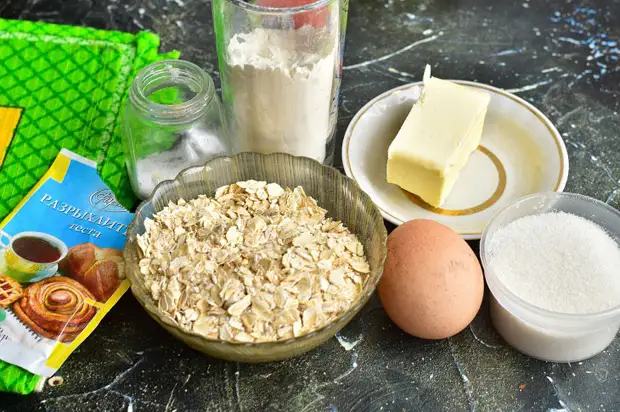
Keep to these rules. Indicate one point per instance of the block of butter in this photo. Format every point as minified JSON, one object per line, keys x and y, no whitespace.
{"x":442,"y":130}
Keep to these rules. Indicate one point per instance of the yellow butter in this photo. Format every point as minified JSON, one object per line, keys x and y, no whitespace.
{"x":434,"y":143}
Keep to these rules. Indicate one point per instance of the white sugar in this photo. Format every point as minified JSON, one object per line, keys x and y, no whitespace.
{"x":558,"y":261}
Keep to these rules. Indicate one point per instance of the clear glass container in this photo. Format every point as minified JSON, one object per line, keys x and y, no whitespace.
{"x":540,"y":333}
{"x":280,"y":64}
{"x":173,"y":119}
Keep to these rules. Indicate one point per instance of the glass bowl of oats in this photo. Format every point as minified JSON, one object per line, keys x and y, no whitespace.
{"x":255,"y":258}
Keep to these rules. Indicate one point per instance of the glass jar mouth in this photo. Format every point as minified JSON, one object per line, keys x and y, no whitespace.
{"x":281,"y":10}
{"x":516,"y":305}
{"x":171,"y":73}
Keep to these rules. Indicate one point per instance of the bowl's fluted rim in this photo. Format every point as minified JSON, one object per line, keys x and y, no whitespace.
{"x":362,"y":300}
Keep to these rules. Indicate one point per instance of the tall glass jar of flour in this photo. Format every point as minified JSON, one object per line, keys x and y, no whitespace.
{"x":280,"y":64}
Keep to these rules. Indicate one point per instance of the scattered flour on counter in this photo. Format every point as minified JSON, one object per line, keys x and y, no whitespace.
{"x":558,"y":261}
{"x":282,"y":90}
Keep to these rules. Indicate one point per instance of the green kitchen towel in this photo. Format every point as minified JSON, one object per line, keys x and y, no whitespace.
{"x":66,"y":86}
{"x":18,"y":380}
{"x":63,"y":87}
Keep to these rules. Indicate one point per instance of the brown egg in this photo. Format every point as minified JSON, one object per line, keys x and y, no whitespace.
{"x":432,"y":284}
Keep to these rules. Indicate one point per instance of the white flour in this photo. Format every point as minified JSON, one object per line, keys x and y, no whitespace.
{"x":193,"y":148}
{"x":559,"y":262}
{"x":281,"y":85}
{"x":154,"y":169}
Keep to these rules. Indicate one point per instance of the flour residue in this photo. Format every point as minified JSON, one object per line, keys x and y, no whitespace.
{"x":346,"y":343}
{"x":350,"y":370}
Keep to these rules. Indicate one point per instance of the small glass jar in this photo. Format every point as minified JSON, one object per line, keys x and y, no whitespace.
{"x":172,"y":120}
{"x":280,"y":65}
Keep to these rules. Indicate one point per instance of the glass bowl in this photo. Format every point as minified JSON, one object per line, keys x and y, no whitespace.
{"x":337,"y":193}
{"x":537,"y":332}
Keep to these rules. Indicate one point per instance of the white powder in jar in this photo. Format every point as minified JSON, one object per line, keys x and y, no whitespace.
{"x":193,"y":147}
{"x":558,"y":261}
{"x":562,"y":263}
{"x":282,"y":89}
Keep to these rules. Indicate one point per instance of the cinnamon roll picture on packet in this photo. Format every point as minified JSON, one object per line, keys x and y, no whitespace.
{"x":61,"y":265}
{"x":56,"y":308}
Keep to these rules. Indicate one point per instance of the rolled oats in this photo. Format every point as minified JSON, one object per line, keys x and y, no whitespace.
{"x":254,"y":263}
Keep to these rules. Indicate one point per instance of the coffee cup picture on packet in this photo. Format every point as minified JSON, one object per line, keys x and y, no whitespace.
{"x":61,"y":265}
{"x":31,"y":255}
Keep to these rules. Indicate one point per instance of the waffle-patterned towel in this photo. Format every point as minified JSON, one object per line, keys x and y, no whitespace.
{"x":18,"y":380}
{"x":63,"y":87}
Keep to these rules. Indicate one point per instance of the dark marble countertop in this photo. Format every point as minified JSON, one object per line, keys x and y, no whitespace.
{"x":562,"y":56}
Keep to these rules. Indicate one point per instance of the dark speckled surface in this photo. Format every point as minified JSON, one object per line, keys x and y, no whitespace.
{"x":562,"y":56}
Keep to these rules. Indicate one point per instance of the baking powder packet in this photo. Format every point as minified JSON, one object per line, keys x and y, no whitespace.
{"x":61,"y":265}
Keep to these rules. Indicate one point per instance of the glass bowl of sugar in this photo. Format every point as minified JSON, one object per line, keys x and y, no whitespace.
{"x":551,"y":263}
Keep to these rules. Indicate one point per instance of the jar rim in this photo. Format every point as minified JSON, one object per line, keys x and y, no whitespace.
{"x":281,"y":10}
{"x":186,"y":111}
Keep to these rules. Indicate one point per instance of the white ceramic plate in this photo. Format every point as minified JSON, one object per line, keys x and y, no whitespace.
{"x":521,"y":153}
